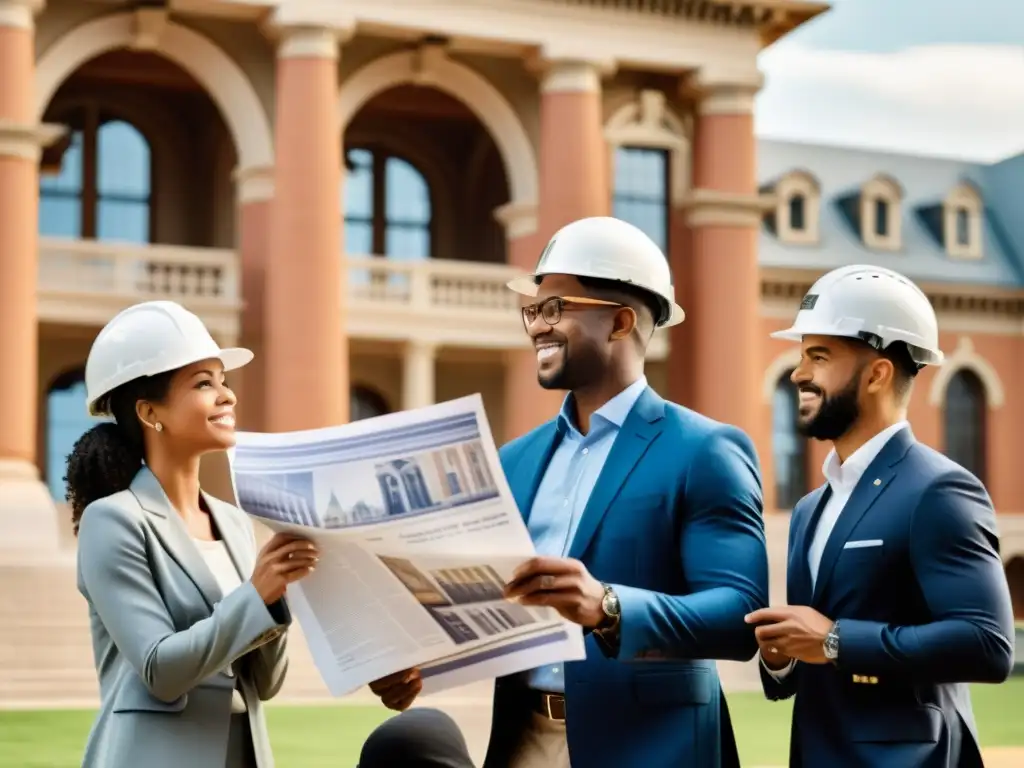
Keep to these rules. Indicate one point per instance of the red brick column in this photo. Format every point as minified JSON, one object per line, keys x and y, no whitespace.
{"x":573,"y":185}
{"x":306,"y":346}
{"x":27,"y":520}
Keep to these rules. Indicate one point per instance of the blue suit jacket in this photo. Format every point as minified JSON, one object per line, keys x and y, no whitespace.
{"x":675,"y":524}
{"x":920,"y":616}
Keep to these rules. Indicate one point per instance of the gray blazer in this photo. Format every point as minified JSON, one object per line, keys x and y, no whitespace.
{"x":169,"y":648}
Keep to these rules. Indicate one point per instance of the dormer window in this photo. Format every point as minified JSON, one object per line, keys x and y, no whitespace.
{"x":880,"y":201}
{"x":962,"y":223}
{"x":797,"y":209}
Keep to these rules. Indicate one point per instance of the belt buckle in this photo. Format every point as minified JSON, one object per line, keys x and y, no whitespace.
{"x":549,"y":711}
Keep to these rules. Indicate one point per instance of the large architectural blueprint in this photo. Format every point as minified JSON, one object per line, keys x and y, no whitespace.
{"x":418,"y":533}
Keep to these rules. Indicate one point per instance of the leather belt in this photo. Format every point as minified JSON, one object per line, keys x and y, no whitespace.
{"x":550,"y":705}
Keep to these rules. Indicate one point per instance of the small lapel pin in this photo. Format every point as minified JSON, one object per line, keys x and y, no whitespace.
{"x":877,"y":481}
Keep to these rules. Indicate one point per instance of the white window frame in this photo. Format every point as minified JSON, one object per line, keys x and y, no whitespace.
{"x":882,"y":187}
{"x":963,"y":196}
{"x":789,"y":186}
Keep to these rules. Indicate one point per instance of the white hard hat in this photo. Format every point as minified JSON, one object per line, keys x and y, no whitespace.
{"x":873,"y":304}
{"x":147,"y":339}
{"x":610,"y":249}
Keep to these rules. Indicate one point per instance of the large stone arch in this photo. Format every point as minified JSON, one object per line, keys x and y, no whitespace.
{"x":461,"y":82}
{"x":965,"y":356}
{"x":224,"y":81}
{"x":784,"y":361}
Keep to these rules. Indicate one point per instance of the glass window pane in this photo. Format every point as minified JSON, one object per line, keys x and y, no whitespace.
{"x":67,"y":420}
{"x":123,"y":161}
{"x":965,"y":422}
{"x":641,"y":194}
{"x":122,"y":220}
{"x":789,"y":447}
{"x":408,"y":197}
{"x":358,"y":190}
{"x":69,"y":180}
{"x":881,"y":218}
{"x":358,"y":238}
{"x":796,"y":213}
{"x":60,"y":216}
{"x":407,"y":243}
{"x":963,"y":233}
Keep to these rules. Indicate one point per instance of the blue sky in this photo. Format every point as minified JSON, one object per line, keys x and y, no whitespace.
{"x":935,"y":77}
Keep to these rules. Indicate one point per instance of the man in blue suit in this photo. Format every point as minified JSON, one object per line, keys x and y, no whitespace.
{"x":898,"y":598}
{"x":647,"y":519}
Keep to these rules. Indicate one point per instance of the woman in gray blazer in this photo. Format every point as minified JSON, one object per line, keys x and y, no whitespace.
{"x":188,"y":620}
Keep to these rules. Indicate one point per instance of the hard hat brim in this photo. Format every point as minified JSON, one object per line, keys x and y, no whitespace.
{"x":527,"y":286}
{"x":231,"y":358}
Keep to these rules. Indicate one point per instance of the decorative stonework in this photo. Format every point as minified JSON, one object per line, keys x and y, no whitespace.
{"x":647,"y":121}
{"x":713,"y":208}
{"x":518,"y":219}
{"x":25,"y":140}
{"x":20,"y":14}
{"x":887,"y":190}
{"x":225,"y":82}
{"x":965,"y":357}
{"x":464,"y":84}
{"x":149,"y":27}
{"x":798,"y":184}
{"x":963,"y":200}
{"x":254,"y":185}
{"x":960,"y":308}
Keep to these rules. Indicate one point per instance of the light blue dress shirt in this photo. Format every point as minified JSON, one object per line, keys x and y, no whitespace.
{"x":566,"y":487}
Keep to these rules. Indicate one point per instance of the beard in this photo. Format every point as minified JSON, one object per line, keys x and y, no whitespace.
{"x":576,"y":369}
{"x":836,"y":414}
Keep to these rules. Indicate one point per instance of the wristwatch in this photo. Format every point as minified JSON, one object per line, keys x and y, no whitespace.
{"x":611,"y":608}
{"x":830,"y":645}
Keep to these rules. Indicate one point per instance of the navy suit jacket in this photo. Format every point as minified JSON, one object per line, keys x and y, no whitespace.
{"x":675,"y":524}
{"x":920,"y":616}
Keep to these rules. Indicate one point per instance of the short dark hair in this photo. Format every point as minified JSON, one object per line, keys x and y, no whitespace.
{"x":904,"y":368}
{"x":625,"y":293}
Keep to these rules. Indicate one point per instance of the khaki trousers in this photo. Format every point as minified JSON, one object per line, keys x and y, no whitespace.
{"x":543,"y":746}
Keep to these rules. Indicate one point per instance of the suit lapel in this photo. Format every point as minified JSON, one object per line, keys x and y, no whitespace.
{"x":800,"y":570}
{"x":530,"y":469}
{"x":642,"y":426}
{"x":872,"y":485}
{"x":235,"y":540}
{"x":171,"y":531}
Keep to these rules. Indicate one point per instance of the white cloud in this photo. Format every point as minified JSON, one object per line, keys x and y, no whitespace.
{"x":960,"y":100}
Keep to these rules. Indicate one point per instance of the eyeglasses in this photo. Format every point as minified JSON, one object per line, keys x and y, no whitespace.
{"x":550,"y":310}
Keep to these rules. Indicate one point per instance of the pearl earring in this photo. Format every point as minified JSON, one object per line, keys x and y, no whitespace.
{"x":159,"y":427}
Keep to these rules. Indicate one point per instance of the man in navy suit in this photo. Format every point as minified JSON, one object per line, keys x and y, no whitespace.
{"x":647,"y":519}
{"x":897,"y":594}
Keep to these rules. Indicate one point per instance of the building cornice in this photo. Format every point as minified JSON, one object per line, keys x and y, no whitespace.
{"x":783,"y":288}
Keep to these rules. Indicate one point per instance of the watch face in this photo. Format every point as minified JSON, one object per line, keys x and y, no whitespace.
{"x":610,"y":604}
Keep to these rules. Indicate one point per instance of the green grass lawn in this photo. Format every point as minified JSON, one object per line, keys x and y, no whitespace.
{"x":330,"y":736}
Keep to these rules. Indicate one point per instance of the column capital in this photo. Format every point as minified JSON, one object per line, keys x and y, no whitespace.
{"x":518,"y":219}
{"x":27,"y":140}
{"x":564,"y":73}
{"x":254,"y":184}
{"x":308,"y":31}
{"x":723,"y":93}
{"x":20,"y":14}
{"x":714,"y":208}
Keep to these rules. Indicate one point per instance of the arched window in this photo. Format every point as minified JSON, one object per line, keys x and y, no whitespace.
{"x":789,"y":447}
{"x":642,"y":191}
{"x":365,"y":403}
{"x":965,"y":421}
{"x":66,"y":421}
{"x":388,"y":210}
{"x":105,"y":182}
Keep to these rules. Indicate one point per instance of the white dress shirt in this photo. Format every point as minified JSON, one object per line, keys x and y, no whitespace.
{"x":842,"y":478}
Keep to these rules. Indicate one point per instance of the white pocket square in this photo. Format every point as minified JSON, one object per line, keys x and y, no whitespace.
{"x":862,"y":544}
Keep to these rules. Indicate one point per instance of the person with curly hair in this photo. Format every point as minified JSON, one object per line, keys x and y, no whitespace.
{"x":188,"y":621}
